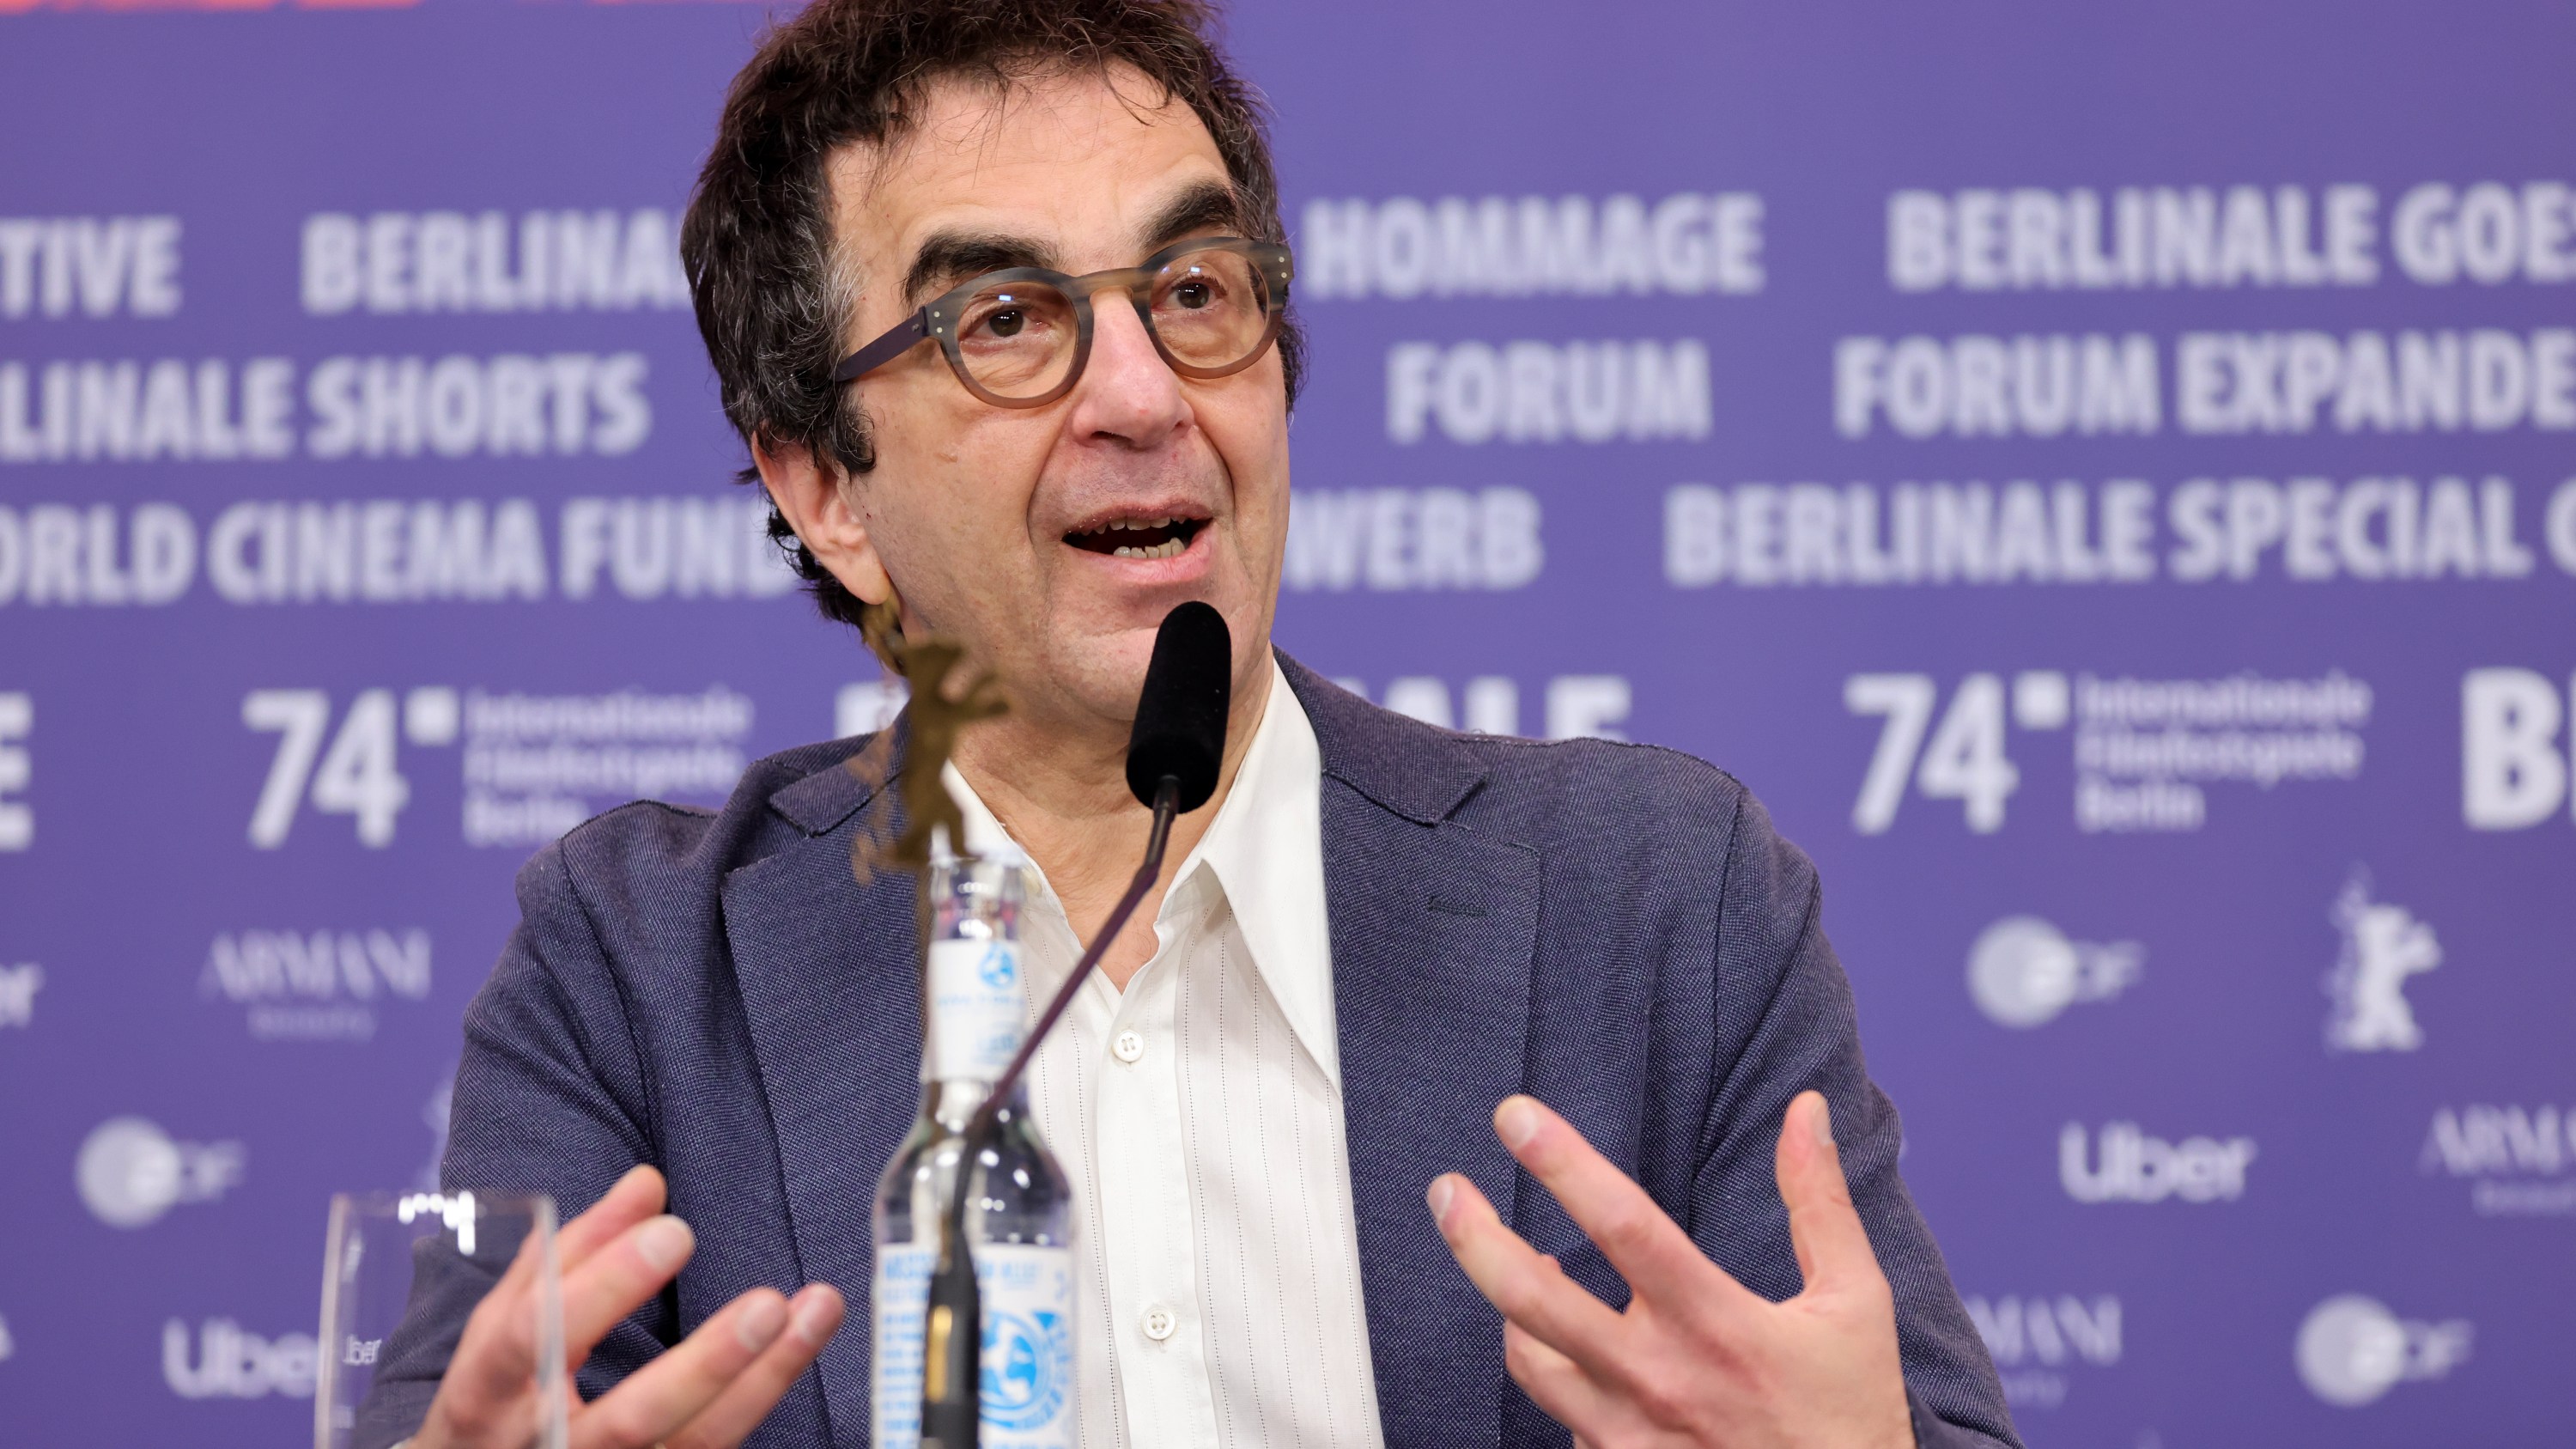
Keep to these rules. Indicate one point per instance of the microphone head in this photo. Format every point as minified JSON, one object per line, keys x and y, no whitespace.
{"x":1181,"y":716}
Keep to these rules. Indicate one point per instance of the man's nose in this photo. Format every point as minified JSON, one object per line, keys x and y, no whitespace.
{"x":1127,"y":391}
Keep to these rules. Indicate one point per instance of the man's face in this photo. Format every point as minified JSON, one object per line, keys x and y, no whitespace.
{"x":997,"y":525}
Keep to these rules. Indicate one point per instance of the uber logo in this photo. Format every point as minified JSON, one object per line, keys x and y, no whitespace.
{"x":2130,"y":1166}
{"x":232,"y":1364}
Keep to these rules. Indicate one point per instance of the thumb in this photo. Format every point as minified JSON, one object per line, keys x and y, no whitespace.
{"x":1832,"y":1247}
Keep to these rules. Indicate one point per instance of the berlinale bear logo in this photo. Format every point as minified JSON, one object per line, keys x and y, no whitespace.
{"x":2382,"y":946}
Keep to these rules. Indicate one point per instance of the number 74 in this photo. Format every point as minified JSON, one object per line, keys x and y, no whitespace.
{"x":356,"y":776}
{"x":1964,"y":760}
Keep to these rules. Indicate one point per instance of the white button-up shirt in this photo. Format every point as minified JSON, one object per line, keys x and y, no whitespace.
{"x":1198,"y":1114}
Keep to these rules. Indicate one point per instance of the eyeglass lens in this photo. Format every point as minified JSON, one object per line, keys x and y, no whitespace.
{"x":1210,"y":309}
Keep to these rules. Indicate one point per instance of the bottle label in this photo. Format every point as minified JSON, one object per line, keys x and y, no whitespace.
{"x":975,"y":1000}
{"x":1027,"y":1393}
{"x":899,"y":1300}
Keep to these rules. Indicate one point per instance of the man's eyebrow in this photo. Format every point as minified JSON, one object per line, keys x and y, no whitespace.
{"x":1201,"y":206}
{"x":946,"y":258}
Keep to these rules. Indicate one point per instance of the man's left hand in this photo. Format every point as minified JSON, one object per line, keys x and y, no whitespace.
{"x":1697,"y":1358}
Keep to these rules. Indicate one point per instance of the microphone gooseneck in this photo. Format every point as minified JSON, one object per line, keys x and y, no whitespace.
{"x":1175,"y":753}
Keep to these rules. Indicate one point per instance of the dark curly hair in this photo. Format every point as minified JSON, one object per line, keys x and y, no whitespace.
{"x":772,"y":303}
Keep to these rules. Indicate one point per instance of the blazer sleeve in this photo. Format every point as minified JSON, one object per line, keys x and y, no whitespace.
{"x":1776,"y":970}
{"x":550,"y":1097}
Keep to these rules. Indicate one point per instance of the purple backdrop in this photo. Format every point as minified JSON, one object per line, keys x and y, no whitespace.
{"x":2102,"y":478}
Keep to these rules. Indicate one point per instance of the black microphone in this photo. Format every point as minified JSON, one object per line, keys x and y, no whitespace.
{"x":1180,"y":718}
{"x":1174,"y":754}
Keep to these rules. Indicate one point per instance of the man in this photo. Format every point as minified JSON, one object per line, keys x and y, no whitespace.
{"x":1303,"y":1103}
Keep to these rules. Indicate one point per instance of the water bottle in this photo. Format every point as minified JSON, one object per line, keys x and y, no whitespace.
{"x":1019,"y":1215}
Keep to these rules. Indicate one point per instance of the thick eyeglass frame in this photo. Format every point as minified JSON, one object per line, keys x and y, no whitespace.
{"x":938,"y":317}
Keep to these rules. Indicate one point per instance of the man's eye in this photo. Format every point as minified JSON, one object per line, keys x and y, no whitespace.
{"x":1193,"y":295}
{"x":1006,"y":323}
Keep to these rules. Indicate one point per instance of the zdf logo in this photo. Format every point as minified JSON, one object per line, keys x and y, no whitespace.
{"x":2023,"y":971}
{"x":2351,"y":1350}
{"x":130,"y":1172}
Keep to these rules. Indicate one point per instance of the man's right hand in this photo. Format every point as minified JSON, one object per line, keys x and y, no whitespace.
{"x":707,"y":1392}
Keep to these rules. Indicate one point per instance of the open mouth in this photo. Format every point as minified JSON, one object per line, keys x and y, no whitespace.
{"x":1139,"y":537}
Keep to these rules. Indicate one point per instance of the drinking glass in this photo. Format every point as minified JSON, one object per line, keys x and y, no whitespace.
{"x":401,"y":1273}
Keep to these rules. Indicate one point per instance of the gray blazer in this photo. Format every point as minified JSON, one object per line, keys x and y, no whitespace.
{"x":1613,"y":928}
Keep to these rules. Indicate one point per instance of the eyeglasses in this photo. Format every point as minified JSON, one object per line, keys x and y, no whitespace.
{"x":1018,"y":338}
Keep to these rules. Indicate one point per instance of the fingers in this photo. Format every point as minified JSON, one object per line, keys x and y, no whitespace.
{"x":489,"y":1372}
{"x":618,"y":1277}
{"x":813,"y":1316}
{"x":488,"y":1376}
{"x":1554,"y":1382}
{"x":1656,"y":1257}
{"x":1528,"y":1287}
{"x":628,"y":1201}
{"x":1832,"y":1246}
{"x":671,"y":1390}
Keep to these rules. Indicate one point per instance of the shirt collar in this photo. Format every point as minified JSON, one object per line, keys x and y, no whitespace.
{"x":1265,"y":850}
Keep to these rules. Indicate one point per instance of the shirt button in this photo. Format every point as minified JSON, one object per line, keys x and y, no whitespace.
{"x":1159,"y":1322}
{"x":1129,"y":1046}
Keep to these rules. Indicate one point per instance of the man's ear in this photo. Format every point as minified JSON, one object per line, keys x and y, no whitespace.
{"x":815,"y":496}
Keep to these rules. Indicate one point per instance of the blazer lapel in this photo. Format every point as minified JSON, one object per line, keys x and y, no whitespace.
{"x":1433,"y":929}
{"x":831,"y":985}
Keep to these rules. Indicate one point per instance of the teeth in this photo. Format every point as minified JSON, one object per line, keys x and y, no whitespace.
{"x":1168,"y":548}
{"x":1139,"y":524}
